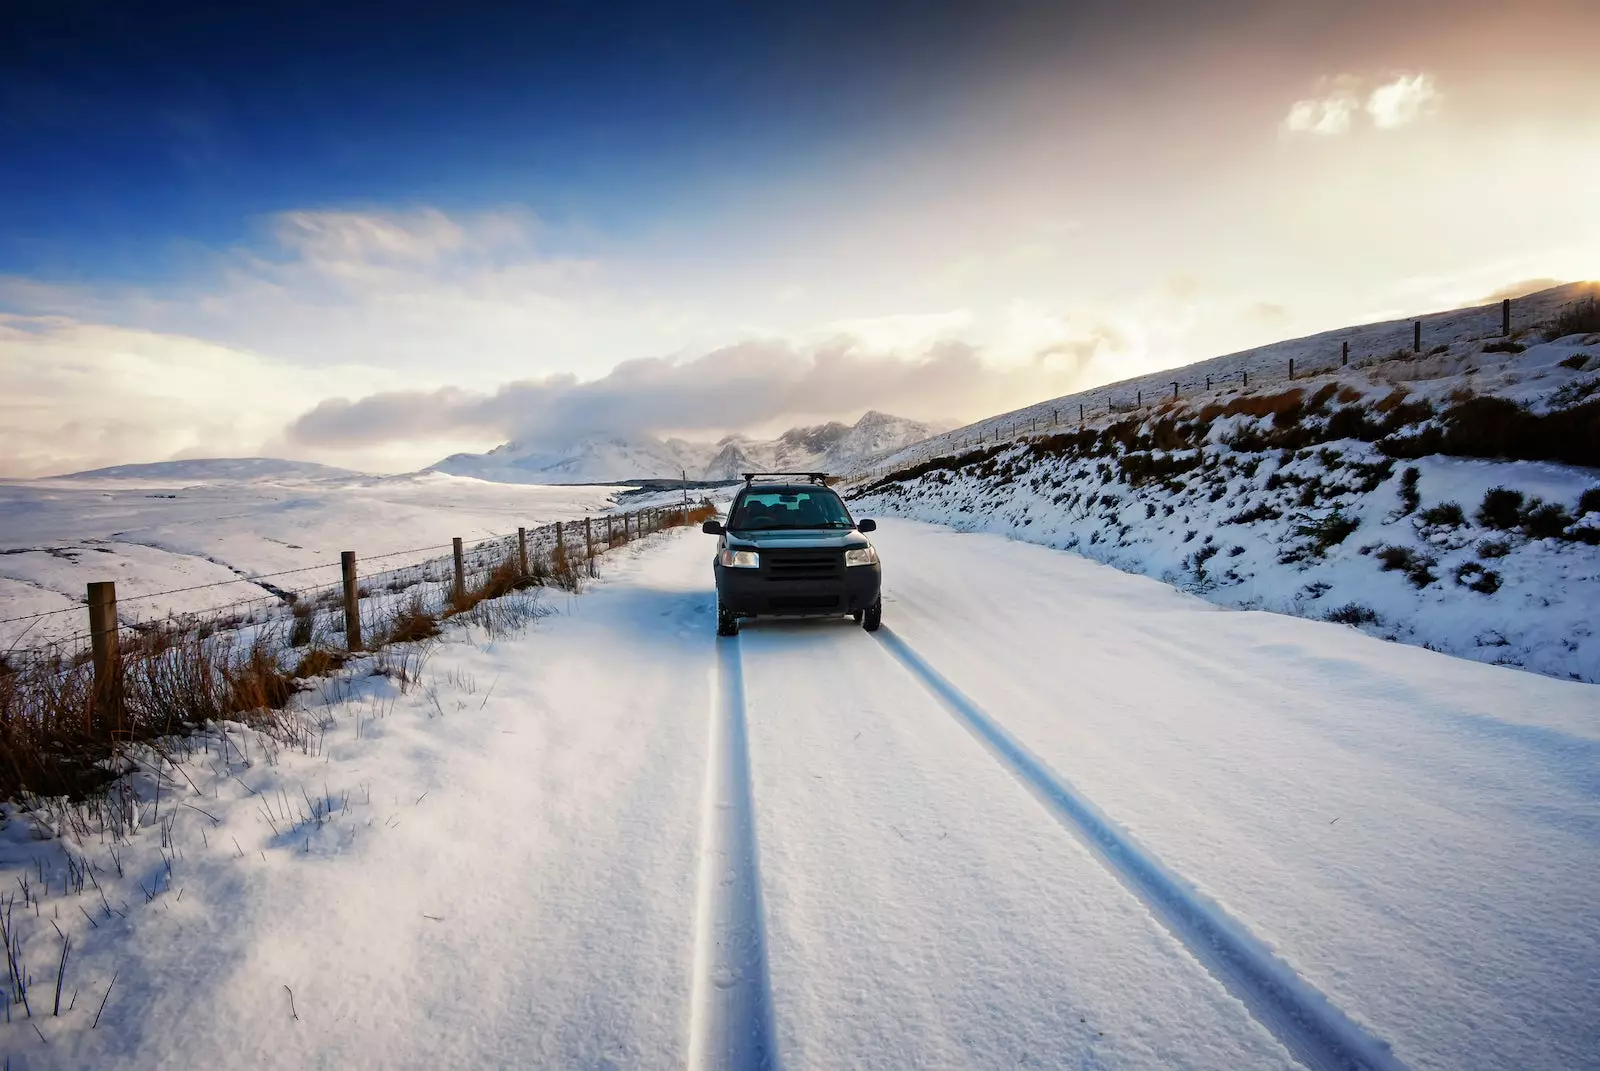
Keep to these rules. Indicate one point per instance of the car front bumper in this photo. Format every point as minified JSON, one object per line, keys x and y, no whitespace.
{"x":749,"y":592}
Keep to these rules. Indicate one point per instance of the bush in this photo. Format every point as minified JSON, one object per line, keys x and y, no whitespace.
{"x":1578,"y":318}
{"x":1493,"y":548}
{"x":1504,"y":345}
{"x":1545,"y":520}
{"x":1417,"y":567}
{"x":1501,"y":509}
{"x":1261,"y":512}
{"x":1353,"y":614}
{"x":1477,"y":578}
{"x":1444,"y":515}
{"x":1328,"y":532}
{"x":1498,"y":428}
{"x":1576,"y":362}
{"x":1410,"y":499}
{"x":1589,"y":501}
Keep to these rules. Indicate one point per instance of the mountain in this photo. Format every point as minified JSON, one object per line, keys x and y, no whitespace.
{"x":213,"y":468}
{"x":831,"y":447}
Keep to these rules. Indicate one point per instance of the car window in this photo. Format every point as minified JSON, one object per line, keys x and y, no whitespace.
{"x":819,"y":508}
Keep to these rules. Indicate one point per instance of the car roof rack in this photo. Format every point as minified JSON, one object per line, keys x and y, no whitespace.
{"x":813,"y":477}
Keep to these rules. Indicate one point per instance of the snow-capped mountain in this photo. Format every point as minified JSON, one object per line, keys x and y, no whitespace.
{"x":831,"y":447}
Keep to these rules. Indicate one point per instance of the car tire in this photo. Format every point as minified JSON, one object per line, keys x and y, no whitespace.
{"x":855,"y":615}
{"x":873,"y":617}
{"x":727,"y":624}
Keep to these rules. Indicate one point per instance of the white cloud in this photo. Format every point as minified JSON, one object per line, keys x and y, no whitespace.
{"x":1343,"y":98}
{"x":83,"y":395}
{"x":1325,"y":115}
{"x":1406,"y":99}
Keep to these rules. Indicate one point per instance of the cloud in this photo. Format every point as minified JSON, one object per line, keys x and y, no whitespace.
{"x":1406,"y":99}
{"x":1342,"y":98}
{"x":83,"y":395}
{"x":761,"y":382}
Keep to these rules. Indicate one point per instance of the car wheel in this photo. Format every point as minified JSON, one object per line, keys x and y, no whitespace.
{"x":873,"y":617}
{"x":727,"y":624}
{"x":855,"y":615}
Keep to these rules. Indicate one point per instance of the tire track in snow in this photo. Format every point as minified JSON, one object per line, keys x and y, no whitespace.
{"x":730,"y":1023}
{"x":1306,"y":1022}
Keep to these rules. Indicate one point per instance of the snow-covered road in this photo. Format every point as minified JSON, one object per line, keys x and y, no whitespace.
{"x":1053,"y":816}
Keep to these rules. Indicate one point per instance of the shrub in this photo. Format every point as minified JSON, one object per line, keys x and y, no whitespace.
{"x":1417,"y":567}
{"x":1576,"y":361}
{"x":1578,"y":318}
{"x":1477,"y":578}
{"x":1589,"y":501}
{"x":1570,"y":395}
{"x":1353,"y":614}
{"x":1259,"y":512}
{"x":1327,"y":532}
{"x":1410,"y":499}
{"x":1444,"y":515}
{"x":1493,"y":548}
{"x":1504,"y":345}
{"x":1545,"y":520}
{"x":1501,"y":509}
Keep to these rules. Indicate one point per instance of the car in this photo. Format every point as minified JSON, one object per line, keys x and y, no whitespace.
{"x":790,"y":548}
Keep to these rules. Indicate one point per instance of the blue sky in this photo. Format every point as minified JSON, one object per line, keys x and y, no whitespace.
{"x":213,"y":221}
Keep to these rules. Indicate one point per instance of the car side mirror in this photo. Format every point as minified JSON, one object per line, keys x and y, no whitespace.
{"x":867,"y":525}
{"x":712,"y":528}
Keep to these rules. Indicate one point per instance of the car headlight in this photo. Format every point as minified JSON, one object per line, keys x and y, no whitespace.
{"x":861,"y":556}
{"x":739,"y":559}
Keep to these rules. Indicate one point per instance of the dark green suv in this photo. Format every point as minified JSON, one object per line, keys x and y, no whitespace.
{"x":790,"y":548}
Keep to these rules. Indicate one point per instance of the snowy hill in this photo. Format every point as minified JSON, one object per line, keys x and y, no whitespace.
{"x":1449,"y":498}
{"x":213,"y":468}
{"x":833,"y":447}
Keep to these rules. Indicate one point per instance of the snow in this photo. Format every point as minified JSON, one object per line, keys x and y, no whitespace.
{"x":522,"y":859}
{"x":159,"y":533}
{"x":1239,"y":529}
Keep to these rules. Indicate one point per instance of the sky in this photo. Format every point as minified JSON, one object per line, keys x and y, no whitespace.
{"x":374,"y":235}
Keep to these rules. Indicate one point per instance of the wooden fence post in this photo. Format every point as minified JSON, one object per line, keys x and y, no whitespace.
{"x":1080,"y":412}
{"x":1416,"y":337}
{"x":1208,"y":383}
{"x":107,"y":656}
{"x":522,"y":552}
{"x":588,"y":537}
{"x":1291,"y":367}
{"x":1138,"y":396}
{"x":1505,"y":317}
{"x":1174,"y":391}
{"x":1344,"y":356}
{"x":352,"y":600}
{"x":459,"y":589}
{"x":1246,"y":374}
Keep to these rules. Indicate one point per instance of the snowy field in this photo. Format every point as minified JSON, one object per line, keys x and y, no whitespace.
{"x":196,"y":528}
{"x":1054,"y":815}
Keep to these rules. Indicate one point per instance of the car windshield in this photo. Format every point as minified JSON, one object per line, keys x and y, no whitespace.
{"x":810,"y":508}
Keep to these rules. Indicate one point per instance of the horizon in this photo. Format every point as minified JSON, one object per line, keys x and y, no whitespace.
{"x":331,"y":235}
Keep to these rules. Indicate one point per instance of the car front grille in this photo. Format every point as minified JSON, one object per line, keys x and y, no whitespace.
{"x":802,"y":564}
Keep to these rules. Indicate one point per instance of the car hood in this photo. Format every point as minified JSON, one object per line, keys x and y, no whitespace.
{"x":798,"y":539}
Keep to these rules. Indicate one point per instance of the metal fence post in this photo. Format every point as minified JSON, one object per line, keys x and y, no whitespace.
{"x":352,"y":601}
{"x":459,"y":589}
{"x":107,"y":655}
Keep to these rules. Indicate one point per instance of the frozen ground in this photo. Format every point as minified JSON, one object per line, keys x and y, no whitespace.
{"x":157,"y":535}
{"x":1055,"y":815}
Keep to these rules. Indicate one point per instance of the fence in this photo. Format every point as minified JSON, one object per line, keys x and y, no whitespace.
{"x":126,"y":677}
{"x":1037,"y":420}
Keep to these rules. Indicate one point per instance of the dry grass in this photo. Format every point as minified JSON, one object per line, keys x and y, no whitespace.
{"x":61,"y":736}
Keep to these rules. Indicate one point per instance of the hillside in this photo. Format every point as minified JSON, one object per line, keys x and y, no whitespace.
{"x":1448,"y":498}
{"x":213,"y":468}
{"x":833,"y":447}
